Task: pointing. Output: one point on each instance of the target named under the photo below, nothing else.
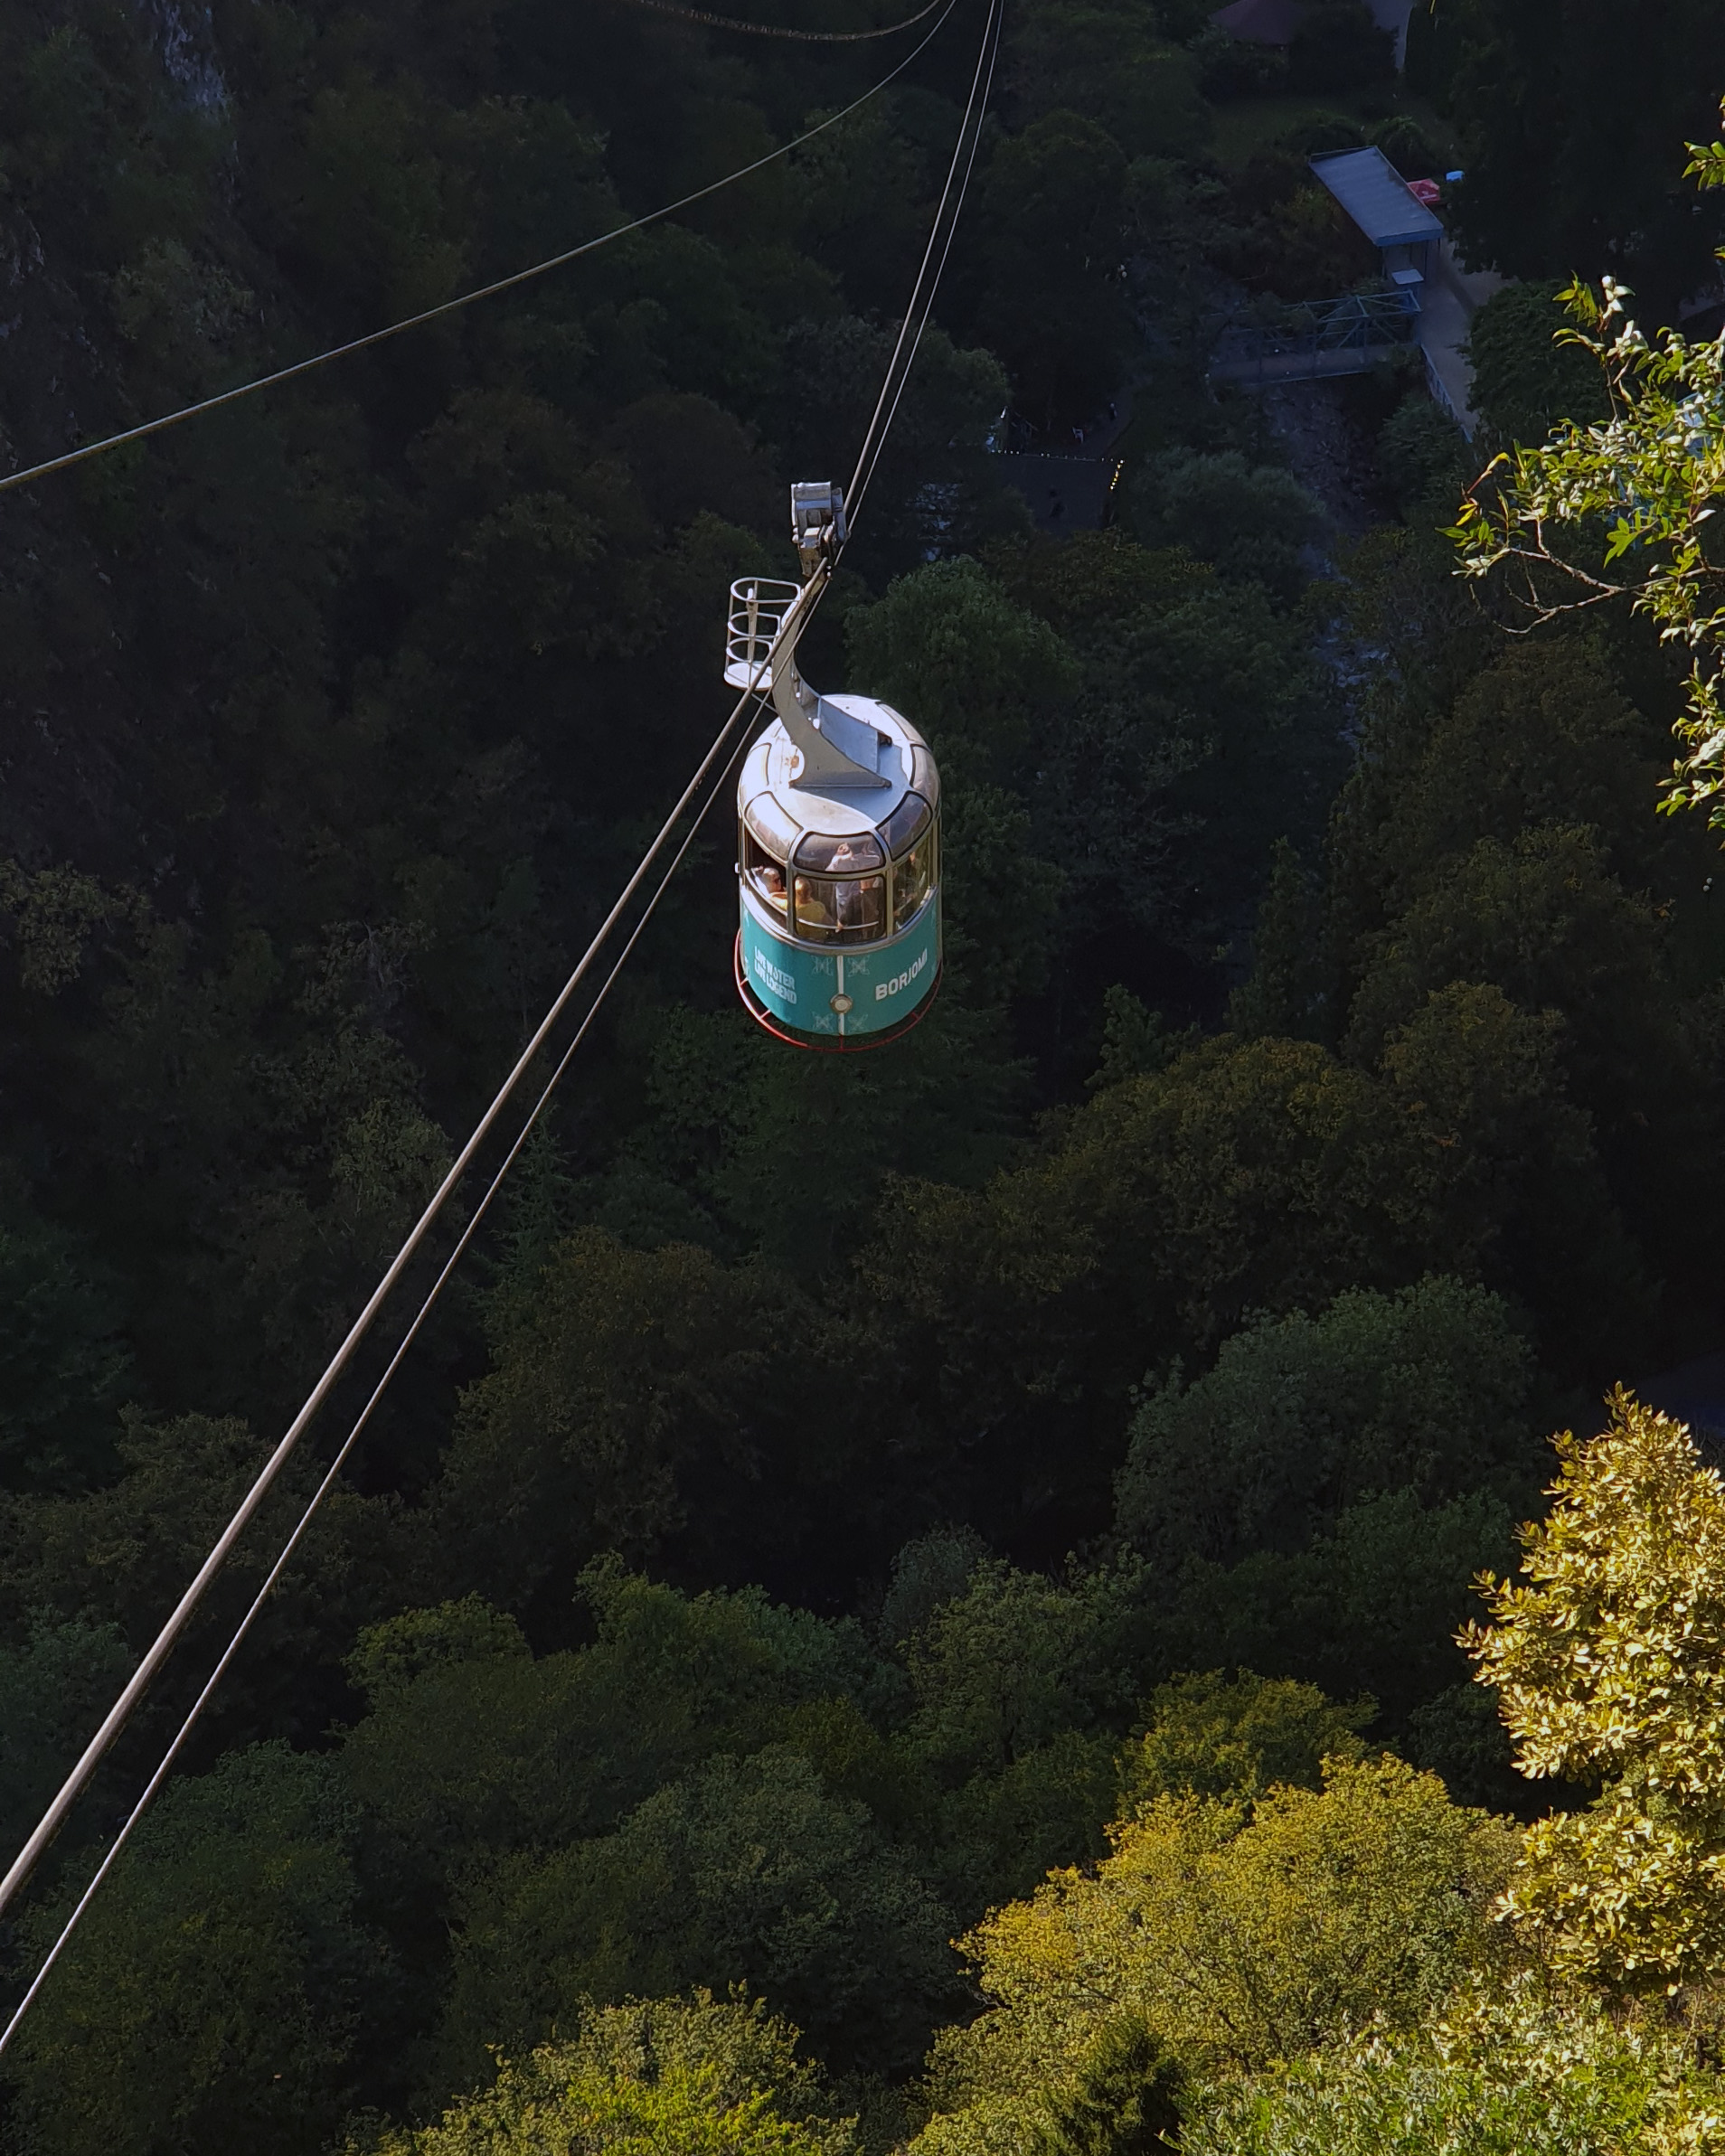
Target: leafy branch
(1639, 489)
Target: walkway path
(1392, 14)
(1448, 300)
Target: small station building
(1404, 229)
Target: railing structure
(1323, 337)
(1441, 397)
(759, 605)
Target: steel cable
(863, 454)
(234, 1645)
(160, 1648)
(49, 1825)
(859, 487)
(169, 1636)
(464, 299)
(807, 37)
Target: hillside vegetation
(926, 1601)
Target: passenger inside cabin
(769, 880)
(812, 917)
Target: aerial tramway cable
(467, 299)
(162, 1647)
(165, 1641)
(164, 1765)
(892, 383)
(859, 487)
(806, 37)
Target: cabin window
(833, 909)
(855, 850)
(912, 880)
(770, 825)
(766, 876)
(906, 822)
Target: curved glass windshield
(839, 856)
(771, 826)
(907, 820)
(829, 910)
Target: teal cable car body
(838, 843)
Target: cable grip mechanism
(817, 522)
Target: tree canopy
(904, 1601)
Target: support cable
(334, 1468)
(157, 1654)
(860, 479)
(874, 434)
(165, 1640)
(465, 299)
(807, 37)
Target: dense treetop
(1021, 1488)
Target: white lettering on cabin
(775, 978)
(886, 988)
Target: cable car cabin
(839, 946)
(838, 858)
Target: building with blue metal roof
(1385, 208)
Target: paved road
(1392, 14)
(1447, 301)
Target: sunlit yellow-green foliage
(1637, 493)
(660, 2077)
(547, 2103)
(1240, 1934)
(1609, 1664)
(1212, 1735)
(1522, 2071)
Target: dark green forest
(836, 1494)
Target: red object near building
(1426, 191)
